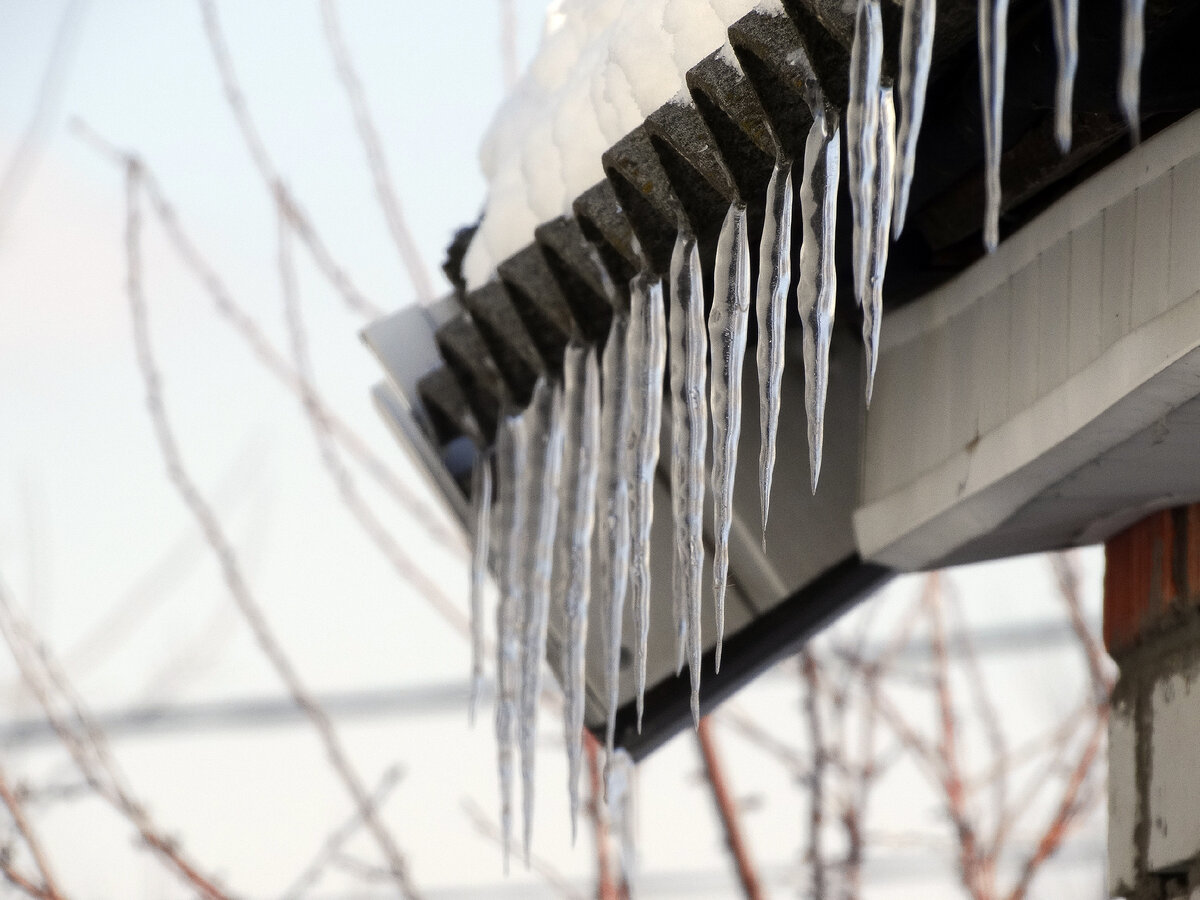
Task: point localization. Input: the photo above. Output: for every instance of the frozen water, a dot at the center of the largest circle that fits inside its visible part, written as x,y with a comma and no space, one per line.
481,499
511,454
613,505
916,53
1133,45
881,220
1066,42
689,427
581,447
727,346
816,288
862,120
541,488
993,51
774,278
647,359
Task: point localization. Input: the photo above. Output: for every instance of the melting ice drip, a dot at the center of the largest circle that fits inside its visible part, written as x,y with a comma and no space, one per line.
575,471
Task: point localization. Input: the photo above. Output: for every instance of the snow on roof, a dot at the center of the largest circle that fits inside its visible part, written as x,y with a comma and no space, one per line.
602,67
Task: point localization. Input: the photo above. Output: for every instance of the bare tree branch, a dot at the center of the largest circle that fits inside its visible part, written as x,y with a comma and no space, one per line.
385,191
16,809
727,813
236,99
226,557
333,843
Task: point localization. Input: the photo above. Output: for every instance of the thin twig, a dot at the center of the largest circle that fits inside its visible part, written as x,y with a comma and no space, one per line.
236,99
87,745
343,481
227,558
385,191
816,789
727,813
16,809
606,887
333,843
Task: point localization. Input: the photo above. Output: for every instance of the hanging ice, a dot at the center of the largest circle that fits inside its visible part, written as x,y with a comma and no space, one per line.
1133,45
816,288
581,447
881,220
541,489
862,120
647,358
511,454
727,346
689,434
481,498
774,278
993,51
916,53
613,505
1066,42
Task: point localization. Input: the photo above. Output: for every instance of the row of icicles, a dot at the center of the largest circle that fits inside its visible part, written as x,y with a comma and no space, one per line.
581,457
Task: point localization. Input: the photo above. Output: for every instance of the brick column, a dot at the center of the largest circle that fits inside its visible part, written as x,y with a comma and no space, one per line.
1152,630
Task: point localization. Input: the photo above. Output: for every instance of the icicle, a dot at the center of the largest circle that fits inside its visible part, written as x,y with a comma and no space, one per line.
916,53
881,220
1133,45
481,498
993,51
727,346
862,120
613,505
647,358
545,466
581,430
512,452
816,288
774,278
618,797
689,433
1066,42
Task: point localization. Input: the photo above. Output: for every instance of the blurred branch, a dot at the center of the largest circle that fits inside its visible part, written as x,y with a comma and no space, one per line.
816,775
727,812
234,96
49,93
385,191
490,830
333,843
275,363
16,809
378,533
86,743
226,557
606,887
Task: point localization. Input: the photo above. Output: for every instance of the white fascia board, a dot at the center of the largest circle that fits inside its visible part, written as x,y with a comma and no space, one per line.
1081,331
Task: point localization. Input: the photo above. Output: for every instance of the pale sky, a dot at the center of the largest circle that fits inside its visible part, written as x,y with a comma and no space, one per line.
89,525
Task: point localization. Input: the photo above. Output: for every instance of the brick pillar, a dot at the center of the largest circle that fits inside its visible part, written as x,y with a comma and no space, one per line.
1152,630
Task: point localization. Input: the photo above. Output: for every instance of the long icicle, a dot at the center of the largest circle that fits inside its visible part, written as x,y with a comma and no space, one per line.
993,52
727,347
613,506
916,54
1066,43
881,220
689,433
816,288
512,453
545,449
774,279
862,120
481,499
1133,46
647,359
581,450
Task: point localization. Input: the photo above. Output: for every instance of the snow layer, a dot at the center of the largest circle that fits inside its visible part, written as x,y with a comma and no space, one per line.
602,67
